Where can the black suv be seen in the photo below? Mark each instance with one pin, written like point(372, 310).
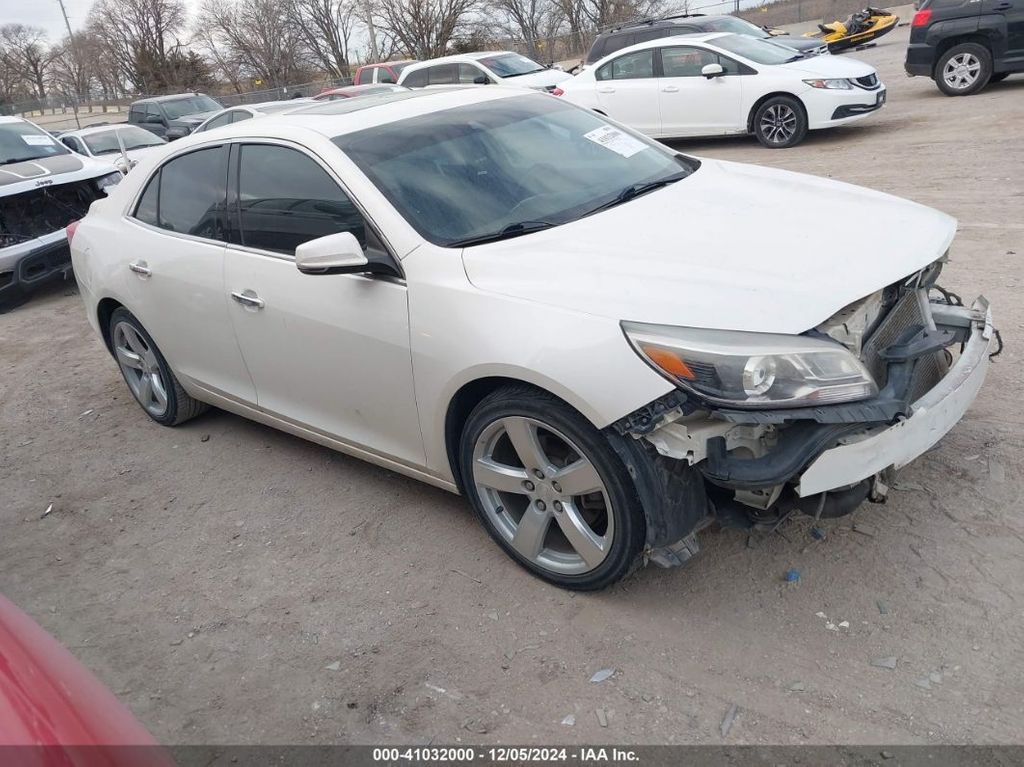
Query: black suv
point(965, 44)
point(172, 117)
point(619, 37)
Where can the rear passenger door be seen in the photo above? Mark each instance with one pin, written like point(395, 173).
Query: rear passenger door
point(692, 104)
point(174, 271)
point(628, 91)
point(329, 352)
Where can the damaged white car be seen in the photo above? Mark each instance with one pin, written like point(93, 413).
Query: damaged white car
point(507, 296)
point(43, 187)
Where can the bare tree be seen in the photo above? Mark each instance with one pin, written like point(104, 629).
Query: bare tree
point(26, 54)
point(424, 28)
point(140, 38)
point(529, 21)
point(326, 28)
point(260, 36)
point(70, 73)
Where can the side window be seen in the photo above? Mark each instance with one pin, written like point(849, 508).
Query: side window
point(240, 115)
point(444, 74)
point(286, 199)
point(631, 66)
point(154, 110)
point(70, 143)
point(135, 114)
point(146, 210)
point(684, 61)
point(416, 79)
point(468, 74)
point(384, 75)
point(657, 33)
point(191, 194)
point(618, 42)
point(219, 121)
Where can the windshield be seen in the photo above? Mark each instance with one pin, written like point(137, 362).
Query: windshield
point(509, 165)
point(758, 51)
point(21, 141)
point(189, 106)
point(736, 26)
point(511, 65)
point(105, 142)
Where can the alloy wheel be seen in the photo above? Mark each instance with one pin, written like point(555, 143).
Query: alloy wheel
point(140, 368)
point(543, 495)
point(778, 123)
point(961, 71)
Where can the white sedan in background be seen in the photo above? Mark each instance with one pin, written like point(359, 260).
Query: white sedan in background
point(249, 111)
point(504, 295)
point(483, 68)
point(721, 84)
point(101, 141)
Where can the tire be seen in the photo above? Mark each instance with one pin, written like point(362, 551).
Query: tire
point(539, 523)
point(147, 374)
point(964, 69)
point(780, 122)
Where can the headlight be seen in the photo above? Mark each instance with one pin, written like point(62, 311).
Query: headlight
point(752, 370)
point(839, 85)
point(109, 180)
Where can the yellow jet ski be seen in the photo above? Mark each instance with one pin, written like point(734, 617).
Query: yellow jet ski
point(862, 27)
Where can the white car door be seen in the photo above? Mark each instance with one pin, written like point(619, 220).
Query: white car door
point(327, 351)
point(628, 91)
point(694, 105)
point(175, 282)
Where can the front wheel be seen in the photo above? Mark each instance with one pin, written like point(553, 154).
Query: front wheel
point(964, 69)
point(780, 122)
point(549, 488)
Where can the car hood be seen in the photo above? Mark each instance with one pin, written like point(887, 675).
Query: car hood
point(193, 119)
point(733, 247)
point(50, 171)
point(830, 66)
point(542, 79)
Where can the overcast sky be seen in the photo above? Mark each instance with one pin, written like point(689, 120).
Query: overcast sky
point(46, 14)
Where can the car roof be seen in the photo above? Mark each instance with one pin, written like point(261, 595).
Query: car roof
point(91, 129)
point(456, 58)
point(336, 118)
point(172, 97)
point(389, 63)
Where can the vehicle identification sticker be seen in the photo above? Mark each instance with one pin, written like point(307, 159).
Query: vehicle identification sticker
point(612, 138)
point(34, 140)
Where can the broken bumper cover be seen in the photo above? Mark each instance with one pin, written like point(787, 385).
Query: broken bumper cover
point(932, 416)
point(34, 269)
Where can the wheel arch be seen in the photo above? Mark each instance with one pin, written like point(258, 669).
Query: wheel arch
point(104, 311)
point(944, 45)
point(764, 98)
point(467, 397)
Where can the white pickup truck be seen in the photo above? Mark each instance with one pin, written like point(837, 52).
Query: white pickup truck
point(43, 187)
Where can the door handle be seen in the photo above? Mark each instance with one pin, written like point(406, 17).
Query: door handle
point(605, 89)
point(670, 89)
point(248, 298)
point(141, 268)
point(1003, 6)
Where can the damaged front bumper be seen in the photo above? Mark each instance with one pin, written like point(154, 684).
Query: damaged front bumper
point(757, 465)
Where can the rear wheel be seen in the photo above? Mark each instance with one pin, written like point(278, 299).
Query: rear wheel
point(550, 489)
point(780, 122)
point(964, 69)
point(147, 373)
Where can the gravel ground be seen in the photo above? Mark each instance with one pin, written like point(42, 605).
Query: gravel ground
point(233, 584)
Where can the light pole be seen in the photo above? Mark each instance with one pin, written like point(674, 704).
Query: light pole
point(74, 59)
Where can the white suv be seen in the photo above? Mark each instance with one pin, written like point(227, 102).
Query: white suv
point(504, 295)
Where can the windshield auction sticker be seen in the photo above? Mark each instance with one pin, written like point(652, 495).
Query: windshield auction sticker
point(36, 140)
point(612, 138)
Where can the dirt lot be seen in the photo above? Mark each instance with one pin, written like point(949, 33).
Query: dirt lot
point(236, 585)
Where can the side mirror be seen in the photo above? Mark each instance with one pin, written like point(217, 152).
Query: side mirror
point(481, 80)
point(712, 70)
point(338, 253)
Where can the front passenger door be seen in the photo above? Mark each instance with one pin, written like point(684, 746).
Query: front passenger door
point(329, 352)
point(695, 105)
point(628, 91)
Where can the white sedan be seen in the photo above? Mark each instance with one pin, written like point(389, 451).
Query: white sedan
point(107, 141)
point(504, 295)
point(721, 84)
